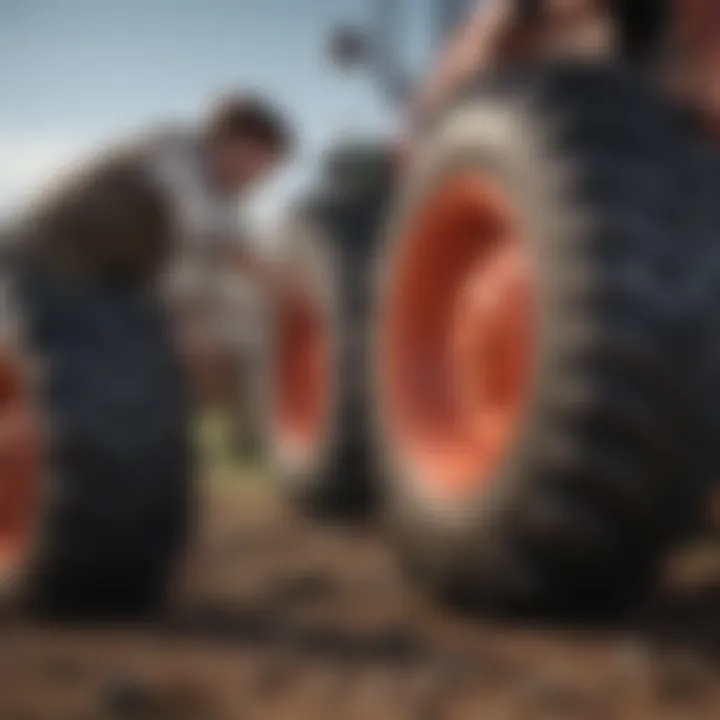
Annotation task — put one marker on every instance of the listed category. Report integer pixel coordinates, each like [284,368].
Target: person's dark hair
[252,117]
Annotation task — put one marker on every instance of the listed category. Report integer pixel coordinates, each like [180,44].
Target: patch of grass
[220,458]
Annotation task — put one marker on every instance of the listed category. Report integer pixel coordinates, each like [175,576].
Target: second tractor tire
[328,247]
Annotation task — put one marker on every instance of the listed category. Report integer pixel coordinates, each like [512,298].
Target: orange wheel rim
[19,466]
[302,374]
[457,341]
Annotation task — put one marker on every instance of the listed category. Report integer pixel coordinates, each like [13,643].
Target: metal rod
[448,14]
[388,36]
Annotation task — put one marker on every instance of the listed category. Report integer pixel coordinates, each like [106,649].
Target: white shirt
[208,224]
[205,216]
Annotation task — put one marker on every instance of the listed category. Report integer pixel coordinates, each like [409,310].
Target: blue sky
[74,73]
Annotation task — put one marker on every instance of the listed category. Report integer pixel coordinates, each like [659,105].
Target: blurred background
[76,75]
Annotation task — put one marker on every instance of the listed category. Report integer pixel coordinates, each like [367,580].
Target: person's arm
[271,277]
[494,30]
[260,272]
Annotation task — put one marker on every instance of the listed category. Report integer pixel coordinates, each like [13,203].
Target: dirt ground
[279,618]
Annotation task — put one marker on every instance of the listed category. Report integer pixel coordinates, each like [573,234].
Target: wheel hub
[490,343]
[302,378]
[457,336]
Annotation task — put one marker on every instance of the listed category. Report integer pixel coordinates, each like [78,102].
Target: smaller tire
[315,414]
[108,490]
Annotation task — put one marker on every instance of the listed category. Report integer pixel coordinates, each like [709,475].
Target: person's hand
[290,289]
[293,292]
[402,149]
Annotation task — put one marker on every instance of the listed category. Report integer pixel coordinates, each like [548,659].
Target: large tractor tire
[317,421]
[533,344]
[95,494]
[704,212]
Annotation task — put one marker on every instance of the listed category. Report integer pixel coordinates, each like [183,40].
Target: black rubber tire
[330,242]
[605,474]
[116,496]
[703,291]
